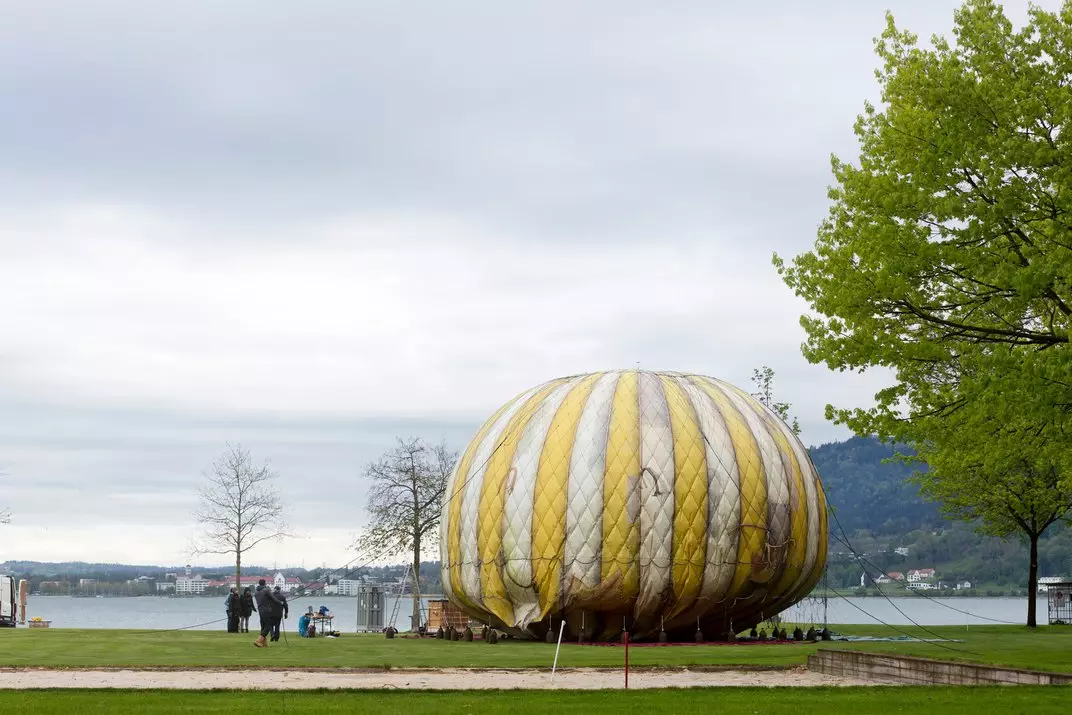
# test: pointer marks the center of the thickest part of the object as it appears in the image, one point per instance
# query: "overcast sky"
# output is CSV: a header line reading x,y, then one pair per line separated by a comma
x,y
312,227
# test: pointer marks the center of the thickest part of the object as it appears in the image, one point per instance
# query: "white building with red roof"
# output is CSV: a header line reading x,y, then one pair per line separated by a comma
x,y
920,575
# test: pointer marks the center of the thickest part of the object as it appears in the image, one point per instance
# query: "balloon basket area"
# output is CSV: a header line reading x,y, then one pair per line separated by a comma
x,y
493,636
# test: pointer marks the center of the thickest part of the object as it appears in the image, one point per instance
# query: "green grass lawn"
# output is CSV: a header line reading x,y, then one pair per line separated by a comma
x,y
725,701
87,648
1046,648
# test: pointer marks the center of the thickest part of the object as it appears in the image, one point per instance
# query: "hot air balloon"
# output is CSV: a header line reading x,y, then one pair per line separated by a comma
x,y
632,500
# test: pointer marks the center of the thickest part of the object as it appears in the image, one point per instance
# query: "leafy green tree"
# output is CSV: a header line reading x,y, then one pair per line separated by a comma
x,y
763,377
947,259
947,254
1005,492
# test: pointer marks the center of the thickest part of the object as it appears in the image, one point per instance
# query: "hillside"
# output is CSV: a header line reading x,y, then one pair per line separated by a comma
x,y
879,510
867,492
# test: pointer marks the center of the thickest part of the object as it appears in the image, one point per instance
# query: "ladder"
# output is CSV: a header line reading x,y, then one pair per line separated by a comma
x,y
401,594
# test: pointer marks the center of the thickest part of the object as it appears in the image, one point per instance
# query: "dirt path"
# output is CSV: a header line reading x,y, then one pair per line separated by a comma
x,y
442,679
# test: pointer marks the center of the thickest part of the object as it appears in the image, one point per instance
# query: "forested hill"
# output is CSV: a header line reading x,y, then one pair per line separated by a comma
x,y
869,493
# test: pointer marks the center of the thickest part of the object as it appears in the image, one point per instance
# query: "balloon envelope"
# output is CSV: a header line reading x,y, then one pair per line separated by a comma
x,y
632,500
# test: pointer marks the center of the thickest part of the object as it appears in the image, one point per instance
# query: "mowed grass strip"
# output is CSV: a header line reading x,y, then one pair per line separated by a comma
x,y
725,701
1045,648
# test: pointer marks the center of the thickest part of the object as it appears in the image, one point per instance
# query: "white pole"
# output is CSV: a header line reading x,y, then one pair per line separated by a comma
x,y
561,627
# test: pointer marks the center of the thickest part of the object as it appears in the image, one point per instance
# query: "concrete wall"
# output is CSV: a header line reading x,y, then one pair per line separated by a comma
x,y
884,668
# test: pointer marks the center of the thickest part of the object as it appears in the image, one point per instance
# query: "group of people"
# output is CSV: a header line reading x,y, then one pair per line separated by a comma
x,y
239,609
271,606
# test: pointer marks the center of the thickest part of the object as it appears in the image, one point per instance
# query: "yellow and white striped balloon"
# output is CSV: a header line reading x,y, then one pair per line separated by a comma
x,y
632,499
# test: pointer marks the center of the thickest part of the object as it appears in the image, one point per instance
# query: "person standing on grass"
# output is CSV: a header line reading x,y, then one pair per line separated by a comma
x,y
247,610
280,615
234,610
269,607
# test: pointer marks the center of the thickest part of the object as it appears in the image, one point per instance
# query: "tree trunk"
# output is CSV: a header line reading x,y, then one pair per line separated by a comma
x,y
1032,581
415,618
238,571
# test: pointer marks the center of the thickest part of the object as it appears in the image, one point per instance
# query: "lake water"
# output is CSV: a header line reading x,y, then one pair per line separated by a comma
x,y
206,613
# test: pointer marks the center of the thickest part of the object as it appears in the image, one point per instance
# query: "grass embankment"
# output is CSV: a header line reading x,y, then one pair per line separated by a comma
x,y
1045,648
779,701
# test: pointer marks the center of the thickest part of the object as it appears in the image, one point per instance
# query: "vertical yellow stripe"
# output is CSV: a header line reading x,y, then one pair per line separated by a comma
x,y
457,492
798,507
549,508
751,547
621,535
798,514
690,498
492,503
820,557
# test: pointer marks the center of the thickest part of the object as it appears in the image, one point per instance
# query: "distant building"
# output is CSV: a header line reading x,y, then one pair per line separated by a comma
x,y
920,575
921,586
286,584
86,582
190,585
348,586
162,586
1045,581
901,551
896,576
963,585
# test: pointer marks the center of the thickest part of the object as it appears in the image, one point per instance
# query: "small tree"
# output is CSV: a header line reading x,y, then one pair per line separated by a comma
x,y
763,377
987,472
405,502
240,508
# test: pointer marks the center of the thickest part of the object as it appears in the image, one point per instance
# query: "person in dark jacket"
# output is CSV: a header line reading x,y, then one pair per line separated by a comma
x,y
247,610
270,609
234,610
285,612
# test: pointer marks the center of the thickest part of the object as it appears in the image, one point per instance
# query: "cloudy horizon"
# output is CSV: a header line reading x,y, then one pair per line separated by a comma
x,y
314,228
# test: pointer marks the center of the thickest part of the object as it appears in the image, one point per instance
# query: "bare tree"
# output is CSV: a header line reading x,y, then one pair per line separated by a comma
x,y
240,508
764,379
404,503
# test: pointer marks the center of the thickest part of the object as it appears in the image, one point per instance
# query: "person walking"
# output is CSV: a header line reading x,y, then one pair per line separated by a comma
x,y
269,608
282,598
234,610
247,610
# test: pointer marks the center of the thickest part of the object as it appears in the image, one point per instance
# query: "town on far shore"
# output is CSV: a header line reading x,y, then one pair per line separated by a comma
x,y
83,580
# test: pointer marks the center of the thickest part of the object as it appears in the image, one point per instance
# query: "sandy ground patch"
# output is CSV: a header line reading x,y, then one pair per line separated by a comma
x,y
440,679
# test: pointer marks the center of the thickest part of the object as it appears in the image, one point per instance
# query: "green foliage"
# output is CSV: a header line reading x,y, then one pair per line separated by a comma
x,y
1002,499
949,700
947,257
1047,648
947,254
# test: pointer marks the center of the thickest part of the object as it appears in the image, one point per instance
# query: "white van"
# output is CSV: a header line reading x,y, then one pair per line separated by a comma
x,y
7,601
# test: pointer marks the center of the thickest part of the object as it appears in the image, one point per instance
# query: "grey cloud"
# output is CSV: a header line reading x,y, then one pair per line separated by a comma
x,y
312,227
607,122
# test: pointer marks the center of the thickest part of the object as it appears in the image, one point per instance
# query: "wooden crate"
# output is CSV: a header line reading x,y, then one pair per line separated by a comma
x,y
445,614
